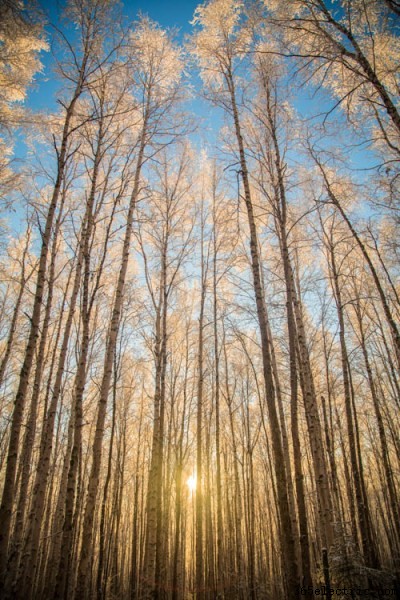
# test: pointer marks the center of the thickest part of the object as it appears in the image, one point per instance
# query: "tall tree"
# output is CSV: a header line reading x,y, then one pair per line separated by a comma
x,y
157,74
219,46
90,17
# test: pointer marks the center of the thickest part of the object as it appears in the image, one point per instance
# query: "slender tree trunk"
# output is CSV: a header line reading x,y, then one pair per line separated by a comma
x,y
23,280
385,305
162,511
367,541
209,554
296,337
314,428
29,438
58,518
19,404
286,536
329,434
252,593
47,434
155,534
177,583
394,502
101,581
135,558
87,533
220,548
236,561
200,580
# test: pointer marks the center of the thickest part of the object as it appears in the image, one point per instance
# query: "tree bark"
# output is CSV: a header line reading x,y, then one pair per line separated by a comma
x,y
87,533
286,536
19,404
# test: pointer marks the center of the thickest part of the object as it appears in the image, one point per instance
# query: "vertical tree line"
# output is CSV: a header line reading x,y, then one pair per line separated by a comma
x,y
199,344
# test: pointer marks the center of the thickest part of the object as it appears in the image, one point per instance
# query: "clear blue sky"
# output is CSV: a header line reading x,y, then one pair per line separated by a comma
x,y
168,13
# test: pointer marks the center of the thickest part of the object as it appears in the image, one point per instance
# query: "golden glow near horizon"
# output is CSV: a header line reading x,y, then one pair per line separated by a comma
x,y
191,483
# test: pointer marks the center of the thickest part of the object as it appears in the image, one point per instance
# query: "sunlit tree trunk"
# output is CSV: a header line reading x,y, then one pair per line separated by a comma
x,y
101,582
87,532
236,559
47,435
29,438
385,304
314,428
160,573
135,557
389,481
58,517
288,552
327,411
220,583
9,481
200,579
63,579
177,560
363,514
276,170
23,280
210,590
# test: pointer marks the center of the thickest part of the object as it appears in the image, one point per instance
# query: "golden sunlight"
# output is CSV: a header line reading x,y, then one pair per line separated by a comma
x,y
191,483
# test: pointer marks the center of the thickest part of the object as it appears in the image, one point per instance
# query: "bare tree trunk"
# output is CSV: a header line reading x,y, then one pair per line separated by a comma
x,y
329,435
385,305
292,337
324,504
23,280
135,558
29,438
296,337
176,562
200,580
162,515
220,548
64,579
394,502
153,503
19,405
63,566
252,593
177,583
87,533
47,434
155,527
101,582
286,536
58,518
209,554
236,561
367,541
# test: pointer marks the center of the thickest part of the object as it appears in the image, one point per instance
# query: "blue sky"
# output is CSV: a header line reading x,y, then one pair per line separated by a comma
x,y
175,14
42,95
169,14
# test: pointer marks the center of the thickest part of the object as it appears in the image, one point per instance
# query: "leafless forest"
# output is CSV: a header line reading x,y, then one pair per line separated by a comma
x,y
199,307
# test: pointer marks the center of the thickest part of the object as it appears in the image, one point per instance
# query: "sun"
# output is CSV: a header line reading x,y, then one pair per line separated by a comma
x,y
191,483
